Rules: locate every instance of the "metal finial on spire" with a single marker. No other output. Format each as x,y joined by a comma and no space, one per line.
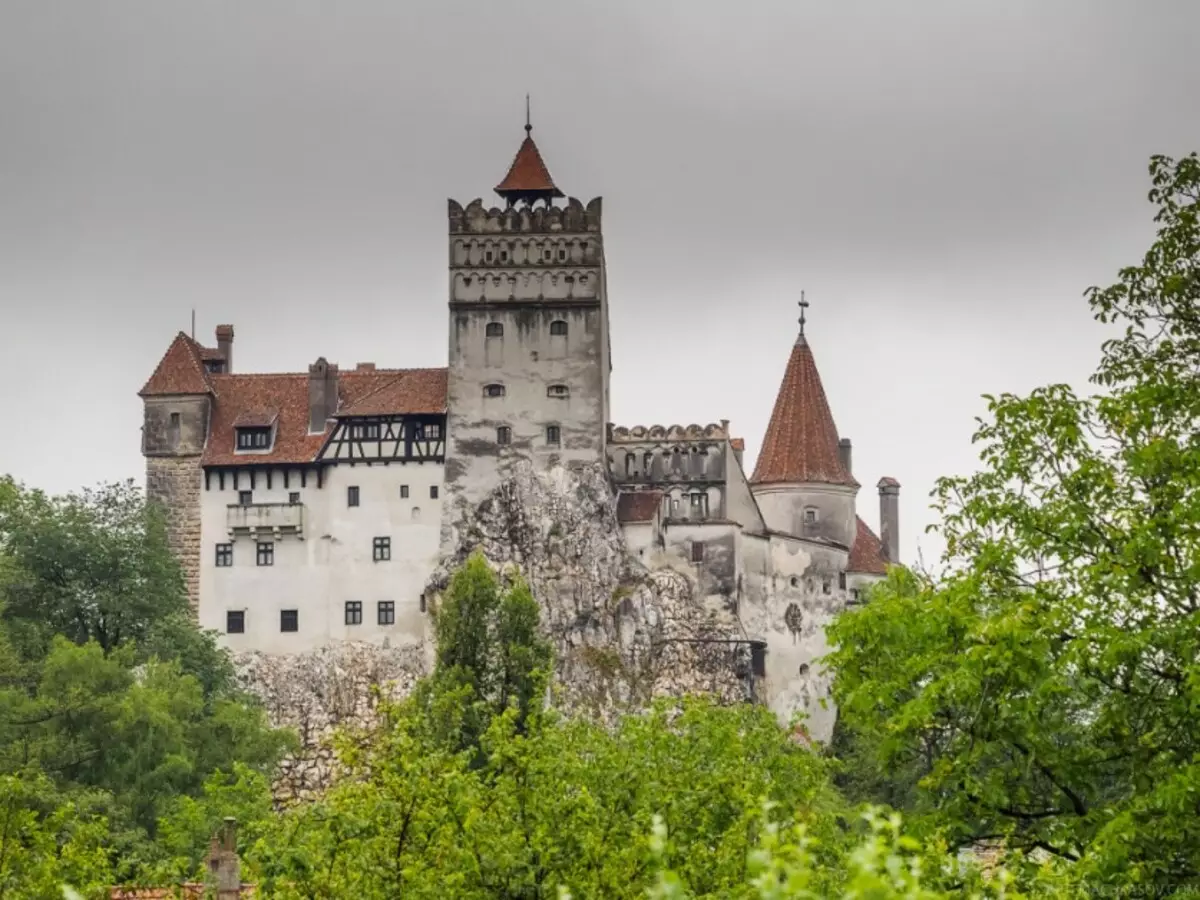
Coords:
803,306
528,122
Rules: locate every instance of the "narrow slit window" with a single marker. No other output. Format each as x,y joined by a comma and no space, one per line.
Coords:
352,495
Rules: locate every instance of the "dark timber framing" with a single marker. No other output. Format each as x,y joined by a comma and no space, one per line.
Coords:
371,440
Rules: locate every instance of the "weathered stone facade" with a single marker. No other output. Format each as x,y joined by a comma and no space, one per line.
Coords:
174,483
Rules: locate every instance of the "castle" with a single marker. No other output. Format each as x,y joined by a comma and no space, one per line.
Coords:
315,507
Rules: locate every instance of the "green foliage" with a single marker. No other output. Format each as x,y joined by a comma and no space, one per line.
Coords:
47,843
1045,690
566,803
490,655
107,690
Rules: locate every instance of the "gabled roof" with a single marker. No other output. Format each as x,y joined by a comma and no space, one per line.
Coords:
180,371
408,391
866,556
528,176
801,443
638,506
245,399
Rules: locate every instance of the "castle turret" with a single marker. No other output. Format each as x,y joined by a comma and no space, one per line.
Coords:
177,405
529,355
802,479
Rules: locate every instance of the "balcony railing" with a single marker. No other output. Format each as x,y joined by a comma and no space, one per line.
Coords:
262,519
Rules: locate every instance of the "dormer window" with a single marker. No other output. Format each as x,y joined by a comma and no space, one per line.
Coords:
254,438
214,366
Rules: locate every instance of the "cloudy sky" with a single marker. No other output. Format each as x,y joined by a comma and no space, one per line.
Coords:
943,179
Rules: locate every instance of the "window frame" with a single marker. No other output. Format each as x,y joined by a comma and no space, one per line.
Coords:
235,615
252,437
504,435
558,391
284,615
294,498
245,498
223,557
381,548
404,492
558,328
353,612
495,389
353,496
264,553
385,612
494,329
553,435
433,492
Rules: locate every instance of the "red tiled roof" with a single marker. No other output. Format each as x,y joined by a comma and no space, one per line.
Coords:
251,418
528,173
866,556
407,391
638,506
241,397
801,444
180,371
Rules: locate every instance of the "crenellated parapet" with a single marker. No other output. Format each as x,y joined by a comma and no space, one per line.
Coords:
640,433
574,217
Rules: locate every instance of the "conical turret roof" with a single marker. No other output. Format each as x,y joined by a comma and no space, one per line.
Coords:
801,443
528,178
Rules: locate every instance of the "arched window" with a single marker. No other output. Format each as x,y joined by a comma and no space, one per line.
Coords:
487,255
629,461
493,390
503,435
494,329
558,327
559,391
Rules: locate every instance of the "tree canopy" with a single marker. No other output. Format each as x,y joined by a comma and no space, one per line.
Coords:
1045,690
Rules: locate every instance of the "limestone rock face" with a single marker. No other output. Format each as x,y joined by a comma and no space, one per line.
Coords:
622,634
318,692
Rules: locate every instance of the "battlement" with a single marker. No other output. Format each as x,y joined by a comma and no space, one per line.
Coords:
641,433
572,218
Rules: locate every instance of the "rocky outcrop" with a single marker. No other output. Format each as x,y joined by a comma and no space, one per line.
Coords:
317,693
622,634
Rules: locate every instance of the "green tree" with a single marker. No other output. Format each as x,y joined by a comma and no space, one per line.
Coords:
1045,690
490,655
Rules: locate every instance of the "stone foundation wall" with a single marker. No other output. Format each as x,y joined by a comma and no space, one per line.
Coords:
174,482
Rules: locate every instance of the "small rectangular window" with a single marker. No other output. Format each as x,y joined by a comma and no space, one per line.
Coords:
245,498
353,612
235,621
558,391
387,612
503,435
352,496
697,551
381,549
699,505
294,497
224,555
404,492
266,553
558,327
842,580
433,431
289,620
433,492
553,435
422,602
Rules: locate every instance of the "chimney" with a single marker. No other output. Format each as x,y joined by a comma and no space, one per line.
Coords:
365,367
844,455
322,394
889,519
224,866
225,345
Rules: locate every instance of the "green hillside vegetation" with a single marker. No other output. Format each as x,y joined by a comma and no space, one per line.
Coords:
1039,696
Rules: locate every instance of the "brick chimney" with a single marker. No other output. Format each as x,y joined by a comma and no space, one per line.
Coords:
224,866
322,394
889,518
225,345
845,455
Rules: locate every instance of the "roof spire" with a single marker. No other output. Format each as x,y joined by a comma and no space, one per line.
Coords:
528,179
803,304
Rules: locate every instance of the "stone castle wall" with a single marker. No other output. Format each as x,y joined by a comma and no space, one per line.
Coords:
174,483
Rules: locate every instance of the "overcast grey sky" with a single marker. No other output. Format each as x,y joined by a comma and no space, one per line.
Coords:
943,179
